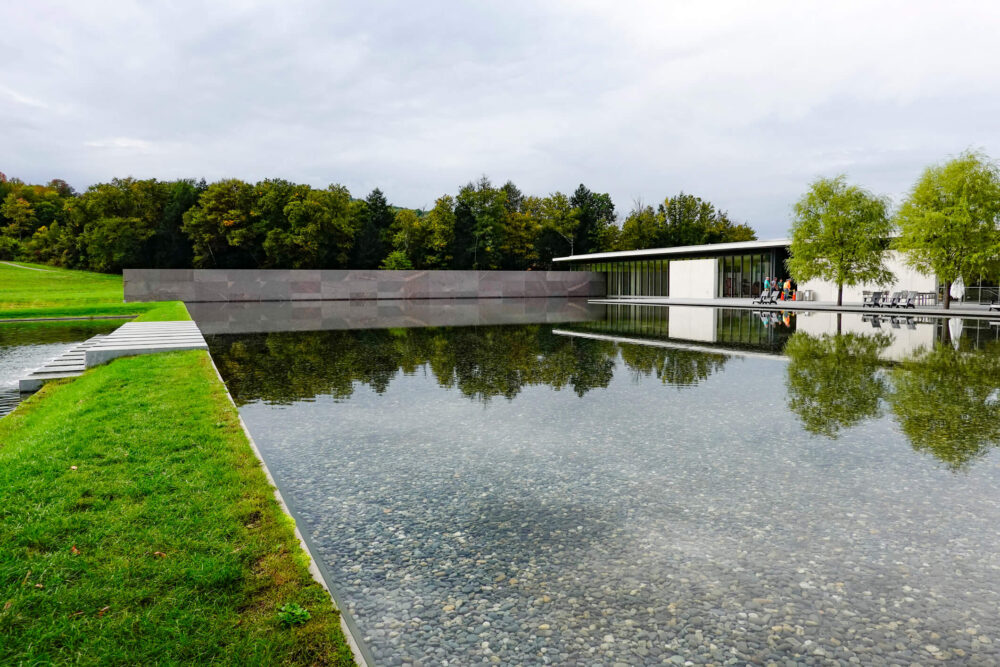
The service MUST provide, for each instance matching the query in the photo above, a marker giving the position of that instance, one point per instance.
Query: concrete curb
(362, 654)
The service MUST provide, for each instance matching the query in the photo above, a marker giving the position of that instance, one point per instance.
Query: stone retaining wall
(345, 285)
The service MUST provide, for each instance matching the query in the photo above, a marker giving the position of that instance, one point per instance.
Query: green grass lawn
(165, 311)
(136, 524)
(53, 292)
(137, 527)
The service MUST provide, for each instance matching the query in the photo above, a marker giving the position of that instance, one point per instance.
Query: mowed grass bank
(137, 527)
(36, 290)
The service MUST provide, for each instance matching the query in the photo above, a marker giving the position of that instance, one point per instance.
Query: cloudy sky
(742, 103)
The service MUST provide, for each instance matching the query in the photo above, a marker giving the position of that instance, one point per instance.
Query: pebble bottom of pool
(547, 494)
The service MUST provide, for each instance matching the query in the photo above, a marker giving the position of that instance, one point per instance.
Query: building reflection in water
(938, 379)
(727, 328)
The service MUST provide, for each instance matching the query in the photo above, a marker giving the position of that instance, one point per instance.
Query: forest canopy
(277, 224)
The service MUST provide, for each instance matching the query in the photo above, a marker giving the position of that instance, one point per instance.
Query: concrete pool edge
(362, 654)
(816, 306)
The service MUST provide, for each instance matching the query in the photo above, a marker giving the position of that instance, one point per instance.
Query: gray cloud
(742, 103)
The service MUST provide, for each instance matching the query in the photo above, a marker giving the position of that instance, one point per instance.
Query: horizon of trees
(275, 223)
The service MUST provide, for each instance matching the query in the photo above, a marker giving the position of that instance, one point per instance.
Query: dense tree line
(681, 220)
(133, 223)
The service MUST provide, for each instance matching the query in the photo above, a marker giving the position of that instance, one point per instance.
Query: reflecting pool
(25, 346)
(643, 485)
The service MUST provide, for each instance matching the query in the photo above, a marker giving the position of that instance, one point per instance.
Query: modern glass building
(738, 269)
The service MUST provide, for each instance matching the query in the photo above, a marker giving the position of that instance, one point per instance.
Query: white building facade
(724, 270)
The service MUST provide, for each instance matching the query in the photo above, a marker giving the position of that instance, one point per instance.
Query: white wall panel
(906, 279)
(694, 278)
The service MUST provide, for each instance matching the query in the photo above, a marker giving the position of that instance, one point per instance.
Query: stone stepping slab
(129, 339)
(68, 364)
(145, 338)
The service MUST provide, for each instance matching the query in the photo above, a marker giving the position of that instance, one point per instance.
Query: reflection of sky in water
(26, 346)
(662, 502)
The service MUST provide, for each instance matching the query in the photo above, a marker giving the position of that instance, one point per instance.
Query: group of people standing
(775, 283)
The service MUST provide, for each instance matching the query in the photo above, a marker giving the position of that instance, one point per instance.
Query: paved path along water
(958, 309)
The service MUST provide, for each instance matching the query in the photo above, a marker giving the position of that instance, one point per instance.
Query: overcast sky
(742, 103)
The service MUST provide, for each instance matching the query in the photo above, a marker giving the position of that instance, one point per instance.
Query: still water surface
(24, 346)
(723, 487)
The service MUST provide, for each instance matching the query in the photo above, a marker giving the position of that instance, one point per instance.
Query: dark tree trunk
(839, 323)
(947, 295)
(840, 294)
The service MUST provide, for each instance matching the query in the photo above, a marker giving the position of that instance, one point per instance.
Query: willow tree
(950, 222)
(840, 233)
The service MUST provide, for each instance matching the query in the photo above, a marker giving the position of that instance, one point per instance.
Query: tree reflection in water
(835, 381)
(946, 401)
(481, 362)
(673, 366)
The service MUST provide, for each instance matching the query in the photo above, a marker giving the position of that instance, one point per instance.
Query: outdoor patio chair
(768, 296)
(893, 301)
(910, 301)
(878, 299)
(871, 300)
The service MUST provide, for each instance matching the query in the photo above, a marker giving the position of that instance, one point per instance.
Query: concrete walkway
(146, 338)
(981, 311)
(129, 339)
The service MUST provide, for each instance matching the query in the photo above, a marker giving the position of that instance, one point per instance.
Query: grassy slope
(164, 545)
(56, 292)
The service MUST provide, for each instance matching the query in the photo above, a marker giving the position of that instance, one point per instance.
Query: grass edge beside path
(165, 543)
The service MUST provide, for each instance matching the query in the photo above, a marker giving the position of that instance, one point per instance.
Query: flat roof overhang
(679, 251)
